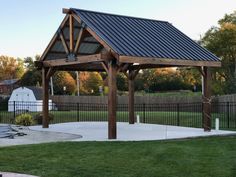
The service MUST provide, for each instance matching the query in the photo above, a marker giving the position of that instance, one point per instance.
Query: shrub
(24, 119)
(39, 118)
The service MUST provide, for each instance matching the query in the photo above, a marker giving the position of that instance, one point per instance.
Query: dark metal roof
(130, 36)
(38, 92)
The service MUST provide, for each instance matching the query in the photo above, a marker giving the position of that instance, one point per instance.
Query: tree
(221, 41)
(122, 82)
(191, 77)
(92, 83)
(32, 76)
(61, 80)
(10, 68)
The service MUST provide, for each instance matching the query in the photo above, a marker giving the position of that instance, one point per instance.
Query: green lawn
(202, 157)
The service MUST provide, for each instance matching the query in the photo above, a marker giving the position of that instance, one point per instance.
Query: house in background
(27, 99)
(7, 86)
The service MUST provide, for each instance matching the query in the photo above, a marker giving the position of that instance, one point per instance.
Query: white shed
(28, 99)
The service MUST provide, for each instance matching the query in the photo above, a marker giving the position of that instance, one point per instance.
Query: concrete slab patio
(36, 137)
(97, 131)
(8, 174)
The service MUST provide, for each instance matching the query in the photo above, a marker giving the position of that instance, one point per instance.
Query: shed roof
(38, 92)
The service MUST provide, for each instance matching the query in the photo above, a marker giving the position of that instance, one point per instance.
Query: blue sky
(28, 25)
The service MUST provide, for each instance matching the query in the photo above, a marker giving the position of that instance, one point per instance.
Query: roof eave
(167, 61)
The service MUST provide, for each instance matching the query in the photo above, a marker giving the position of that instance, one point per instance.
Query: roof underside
(127, 37)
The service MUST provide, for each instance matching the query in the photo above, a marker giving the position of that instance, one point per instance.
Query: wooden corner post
(206, 98)
(45, 84)
(112, 99)
(131, 98)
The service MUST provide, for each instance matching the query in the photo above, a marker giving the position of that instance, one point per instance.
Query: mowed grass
(202, 157)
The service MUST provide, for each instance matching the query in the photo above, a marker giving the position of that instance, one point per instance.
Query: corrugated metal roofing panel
(139, 37)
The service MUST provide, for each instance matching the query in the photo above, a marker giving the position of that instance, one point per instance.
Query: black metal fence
(179, 114)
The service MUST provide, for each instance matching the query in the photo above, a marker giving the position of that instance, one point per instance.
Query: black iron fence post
(228, 111)
(177, 114)
(77, 108)
(202, 115)
(144, 116)
(14, 109)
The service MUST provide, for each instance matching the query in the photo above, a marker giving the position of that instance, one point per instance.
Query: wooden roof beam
(102, 42)
(66, 11)
(79, 60)
(167, 61)
(54, 38)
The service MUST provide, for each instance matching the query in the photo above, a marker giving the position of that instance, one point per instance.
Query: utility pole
(77, 81)
(51, 83)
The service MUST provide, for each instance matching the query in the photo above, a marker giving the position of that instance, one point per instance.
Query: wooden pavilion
(94, 41)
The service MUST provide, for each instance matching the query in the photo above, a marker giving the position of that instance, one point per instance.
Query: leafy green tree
(10, 68)
(122, 82)
(32, 76)
(191, 77)
(92, 83)
(61, 80)
(221, 41)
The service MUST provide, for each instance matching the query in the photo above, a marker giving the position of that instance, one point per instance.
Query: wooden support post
(206, 98)
(112, 99)
(45, 83)
(131, 98)
(71, 23)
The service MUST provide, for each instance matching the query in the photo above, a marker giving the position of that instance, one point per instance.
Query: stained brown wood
(131, 99)
(102, 42)
(148, 66)
(45, 84)
(206, 98)
(112, 99)
(79, 40)
(167, 61)
(104, 66)
(66, 11)
(71, 22)
(80, 59)
(64, 42)
(50, 72)
(53, 40)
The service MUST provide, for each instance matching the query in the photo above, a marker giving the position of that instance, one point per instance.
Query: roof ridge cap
(119, 15)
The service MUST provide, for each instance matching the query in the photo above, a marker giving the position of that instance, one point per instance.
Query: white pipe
(217, 126)
(138, 119)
